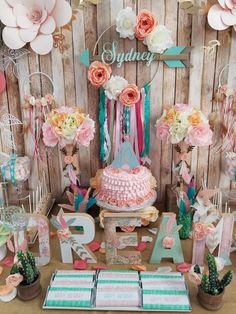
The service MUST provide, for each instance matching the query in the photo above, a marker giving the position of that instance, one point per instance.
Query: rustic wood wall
(195, 86)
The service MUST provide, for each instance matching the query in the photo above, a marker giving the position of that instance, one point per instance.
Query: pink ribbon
(117, 127)
(138, 108)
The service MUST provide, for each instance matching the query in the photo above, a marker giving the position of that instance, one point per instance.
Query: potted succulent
(210, 287)
(30, 287)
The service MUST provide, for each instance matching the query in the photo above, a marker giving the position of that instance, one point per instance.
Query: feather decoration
(170, 223)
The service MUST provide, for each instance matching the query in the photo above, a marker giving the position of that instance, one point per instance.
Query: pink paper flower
(130, 95)
(33, 22)
(163, 131)
(145, 24)
(49, 98)
(183, 107)
(14, 280)
(223, 15)
(168, 242)
(199, 135)
(85, 132)
(50, 138)
(64, 234)
(199, 231)
(99, 73)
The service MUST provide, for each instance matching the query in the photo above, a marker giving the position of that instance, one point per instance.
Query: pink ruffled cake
(125, 187)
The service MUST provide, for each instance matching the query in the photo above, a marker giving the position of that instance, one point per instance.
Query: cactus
(26, 267)
(211, 283)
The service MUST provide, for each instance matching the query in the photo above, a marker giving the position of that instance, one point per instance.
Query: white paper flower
(125, 23)
(178, 131)
(159, 40)
(33, 21)
(114, 86)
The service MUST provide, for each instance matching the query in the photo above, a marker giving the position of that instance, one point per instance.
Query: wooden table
(35, 306)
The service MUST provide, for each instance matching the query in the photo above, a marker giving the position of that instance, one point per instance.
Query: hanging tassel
(102, 122)
(111, 128)
(118, 127)
(138, 109)
(126, 122)
(107, 140)
(146, 121)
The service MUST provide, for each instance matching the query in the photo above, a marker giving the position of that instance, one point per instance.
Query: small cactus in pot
(26, 266)
(211, 288)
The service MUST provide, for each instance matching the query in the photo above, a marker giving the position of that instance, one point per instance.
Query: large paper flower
(145, 24)
(125, 23)
(33, 22)
(223, 15)
(99, 73)
(159, 39)
(130, 95)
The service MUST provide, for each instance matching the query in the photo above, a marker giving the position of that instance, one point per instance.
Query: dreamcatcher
(6, 122)
(36, 109)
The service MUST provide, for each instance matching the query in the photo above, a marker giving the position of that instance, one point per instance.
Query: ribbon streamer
(146, 121)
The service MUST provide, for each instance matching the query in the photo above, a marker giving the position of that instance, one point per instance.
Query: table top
(35, 306)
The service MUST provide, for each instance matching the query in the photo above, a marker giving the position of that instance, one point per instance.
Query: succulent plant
(211, 283)
(26, 267)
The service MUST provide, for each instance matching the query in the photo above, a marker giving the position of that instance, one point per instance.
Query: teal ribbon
(102, 101)
(11, 162)
(126, 120)
(146, 121)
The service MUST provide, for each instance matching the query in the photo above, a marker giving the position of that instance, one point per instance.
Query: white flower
(33, 21)
(125, 23)
(32, 100)
(178, 130)
(114, 86)
(159, 40)
(44, 102)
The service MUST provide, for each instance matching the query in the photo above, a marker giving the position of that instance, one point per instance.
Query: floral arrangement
(67, 125)
(115, 86)
(33, 22)
(144, 27)
(201, 230)
(47, 101)
(184, 123)
(222, 15)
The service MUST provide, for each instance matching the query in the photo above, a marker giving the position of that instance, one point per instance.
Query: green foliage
(26, 267)
(211, 283)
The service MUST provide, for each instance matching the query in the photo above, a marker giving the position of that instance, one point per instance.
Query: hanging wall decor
(33, 23)
(7, 121)
(124, 108)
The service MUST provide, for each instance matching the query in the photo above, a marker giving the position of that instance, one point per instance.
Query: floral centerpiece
(184, 125)
(69, 128)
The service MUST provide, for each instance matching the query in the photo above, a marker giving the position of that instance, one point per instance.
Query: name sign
(111, 55)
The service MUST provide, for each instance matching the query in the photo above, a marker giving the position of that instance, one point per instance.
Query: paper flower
(145, 24)
(223, 15)
(159, 39)
(50, 138)
(199, 135)
(14, 280)
(125, 23)
(99, 73)
(114, 86)
(168, 242)
(130, 95)
(85, 132)
(163, 131)
(33, 22)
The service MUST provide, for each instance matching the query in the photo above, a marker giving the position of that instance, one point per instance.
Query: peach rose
(168, 242)
(145, 24)
(198, 231)
(195, 118)
(99, 73)
(14, 280)
(130, 95)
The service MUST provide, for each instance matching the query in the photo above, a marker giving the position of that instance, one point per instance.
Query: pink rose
(168, 242)
(50, 138)
(99, 73)
(130, 95)
(49, 98)
(85, 132)
(14, 280)
(145, 24)
(64, 234)
(198, 231)
(182, 107)
(199, 135)
(163, 131)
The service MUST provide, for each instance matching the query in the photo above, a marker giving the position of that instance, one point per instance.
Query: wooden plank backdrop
(195, 86)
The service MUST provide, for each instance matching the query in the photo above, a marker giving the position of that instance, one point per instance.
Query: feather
(170, 223)
(71, 221)
(10, 246)
(62, 222)
(71, 197)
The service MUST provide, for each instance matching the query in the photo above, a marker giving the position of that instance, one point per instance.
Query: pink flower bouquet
(184, 123)
(67, 125)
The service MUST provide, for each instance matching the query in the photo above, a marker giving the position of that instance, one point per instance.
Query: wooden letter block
(198, 252)
(119, 240)
(227, 238)
(77, 242)
(159, 251)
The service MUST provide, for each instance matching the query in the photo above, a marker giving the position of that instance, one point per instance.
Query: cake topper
(125, 156)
